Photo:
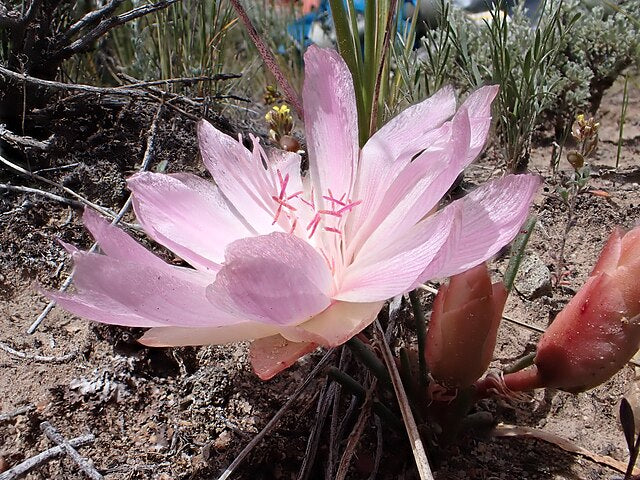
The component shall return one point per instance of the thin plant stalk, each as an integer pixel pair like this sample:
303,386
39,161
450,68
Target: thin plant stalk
269,60
623,117
421,332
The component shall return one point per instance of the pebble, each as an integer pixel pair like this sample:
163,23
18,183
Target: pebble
534,278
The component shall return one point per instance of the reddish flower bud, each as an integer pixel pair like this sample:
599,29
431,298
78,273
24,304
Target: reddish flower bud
598,331
463,327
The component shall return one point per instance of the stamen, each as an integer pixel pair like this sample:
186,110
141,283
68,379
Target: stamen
349,207
333,230
314,224
296,195
293,226
330,212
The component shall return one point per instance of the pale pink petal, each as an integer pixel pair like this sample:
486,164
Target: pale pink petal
406,131
275,279
270,355
392,268
188,215
491,217
335,325
479,106
419,186
124,293
331,123
392,147
185,336
115,242
240,175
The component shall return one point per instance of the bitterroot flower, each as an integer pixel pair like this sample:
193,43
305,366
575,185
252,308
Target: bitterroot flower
293,262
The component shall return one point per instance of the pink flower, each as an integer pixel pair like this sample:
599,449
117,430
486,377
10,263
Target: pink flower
598,331
463,327
293,262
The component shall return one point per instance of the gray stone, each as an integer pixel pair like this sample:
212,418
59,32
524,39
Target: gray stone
534,278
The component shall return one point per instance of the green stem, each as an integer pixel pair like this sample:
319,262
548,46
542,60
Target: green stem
521,363
421,330
517,252
352,386
366,356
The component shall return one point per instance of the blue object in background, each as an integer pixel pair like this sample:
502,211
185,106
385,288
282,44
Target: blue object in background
317,26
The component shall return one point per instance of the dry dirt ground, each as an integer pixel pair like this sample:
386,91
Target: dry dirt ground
186,413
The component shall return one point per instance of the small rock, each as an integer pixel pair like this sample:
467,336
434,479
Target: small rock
534,278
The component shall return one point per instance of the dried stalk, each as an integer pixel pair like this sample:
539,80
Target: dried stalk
50,431
419,453
25,467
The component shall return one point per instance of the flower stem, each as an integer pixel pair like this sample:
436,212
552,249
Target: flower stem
366,356
421,331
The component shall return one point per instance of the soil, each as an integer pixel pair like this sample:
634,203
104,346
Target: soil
186,413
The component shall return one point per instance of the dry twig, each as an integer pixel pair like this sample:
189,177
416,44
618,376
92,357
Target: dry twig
37,358
23,141
84,464
422,463
25,467
17,168
19,411
324,402
356,433
50,196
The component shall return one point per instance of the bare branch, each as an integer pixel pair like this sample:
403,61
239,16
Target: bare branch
22,141
37,358
21,77
25,467
90,18
50,196
19,411
107,24
95,206
84,464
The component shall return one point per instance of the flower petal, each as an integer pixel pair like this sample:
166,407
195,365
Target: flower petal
479,106
185,336
331,123
392,268
240,175
420,186
491,217
116,243
335,325
124,293
270,355
275,279
392,147
188,215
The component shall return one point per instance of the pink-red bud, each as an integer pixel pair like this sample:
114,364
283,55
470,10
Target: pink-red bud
463,327
598,331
